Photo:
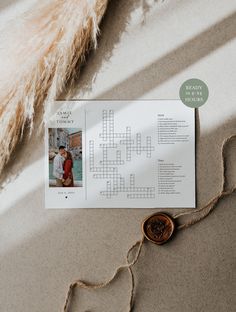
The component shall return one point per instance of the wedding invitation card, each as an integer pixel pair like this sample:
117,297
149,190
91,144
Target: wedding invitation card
120,154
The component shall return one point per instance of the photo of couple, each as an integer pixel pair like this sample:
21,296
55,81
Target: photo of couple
65,157
62,168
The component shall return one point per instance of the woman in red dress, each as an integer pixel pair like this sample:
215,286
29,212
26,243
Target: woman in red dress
67,167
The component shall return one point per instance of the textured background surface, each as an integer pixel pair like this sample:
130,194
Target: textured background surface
147,49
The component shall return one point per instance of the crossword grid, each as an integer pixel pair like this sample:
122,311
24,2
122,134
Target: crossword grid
108,168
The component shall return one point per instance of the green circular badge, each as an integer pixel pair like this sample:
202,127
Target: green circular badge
194,93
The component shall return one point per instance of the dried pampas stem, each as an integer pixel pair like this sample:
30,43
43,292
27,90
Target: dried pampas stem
42,53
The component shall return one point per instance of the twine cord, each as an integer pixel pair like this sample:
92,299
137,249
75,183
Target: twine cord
128,265
205,210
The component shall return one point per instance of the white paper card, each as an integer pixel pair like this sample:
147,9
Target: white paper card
125,154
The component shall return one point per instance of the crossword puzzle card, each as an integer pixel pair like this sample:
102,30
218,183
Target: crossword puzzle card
120,154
